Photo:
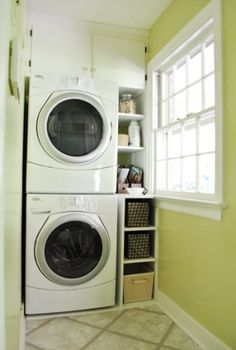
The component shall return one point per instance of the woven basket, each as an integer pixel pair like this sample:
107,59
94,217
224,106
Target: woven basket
137,245
137,214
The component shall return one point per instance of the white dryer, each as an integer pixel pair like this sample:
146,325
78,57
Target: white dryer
71,243
72,135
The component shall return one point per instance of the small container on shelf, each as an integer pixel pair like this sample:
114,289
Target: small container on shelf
138,283
134,134
123,140
137,214
137,245
127,104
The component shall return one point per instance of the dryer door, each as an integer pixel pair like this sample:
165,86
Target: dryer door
74,127
72,248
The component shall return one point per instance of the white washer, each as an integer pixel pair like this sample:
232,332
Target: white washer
72,135
71,243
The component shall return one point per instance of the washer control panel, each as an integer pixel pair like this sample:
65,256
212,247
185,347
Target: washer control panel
39,204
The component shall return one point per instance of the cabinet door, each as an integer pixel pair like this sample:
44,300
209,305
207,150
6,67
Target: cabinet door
60,50
119,59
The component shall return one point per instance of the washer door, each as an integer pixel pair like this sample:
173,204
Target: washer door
72,249
73,127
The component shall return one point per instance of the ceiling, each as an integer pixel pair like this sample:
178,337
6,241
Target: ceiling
129,13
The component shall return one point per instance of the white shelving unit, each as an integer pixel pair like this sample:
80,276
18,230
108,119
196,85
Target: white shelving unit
137,156
123,230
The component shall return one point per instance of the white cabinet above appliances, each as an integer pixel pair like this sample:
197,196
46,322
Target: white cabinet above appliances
119,59
93,51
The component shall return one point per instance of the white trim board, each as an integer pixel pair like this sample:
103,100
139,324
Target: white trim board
194,329
182,36
192,207
22,329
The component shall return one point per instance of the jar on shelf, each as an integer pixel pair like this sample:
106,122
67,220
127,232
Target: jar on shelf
127,104
134,134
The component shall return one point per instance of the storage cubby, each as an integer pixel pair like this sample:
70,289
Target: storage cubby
139,212
138,283
138,96
137,248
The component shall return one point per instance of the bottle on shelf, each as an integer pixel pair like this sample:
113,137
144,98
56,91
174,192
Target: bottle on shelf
134,134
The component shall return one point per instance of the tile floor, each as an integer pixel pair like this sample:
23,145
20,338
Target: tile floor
146,328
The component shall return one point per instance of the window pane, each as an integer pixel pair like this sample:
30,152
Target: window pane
209,60
189,174
180,105
164,113
207,173
174,175
170,111
161,145
195,67
207,135
174,143
195,98
180,77
170,83
161,175
189,138
164,85
209,91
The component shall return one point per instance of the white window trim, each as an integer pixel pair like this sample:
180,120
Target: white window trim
208,209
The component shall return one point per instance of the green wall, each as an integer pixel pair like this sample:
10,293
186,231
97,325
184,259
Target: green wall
13,23
197,257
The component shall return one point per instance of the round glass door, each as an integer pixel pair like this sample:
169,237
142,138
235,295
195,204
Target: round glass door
74,128
72,251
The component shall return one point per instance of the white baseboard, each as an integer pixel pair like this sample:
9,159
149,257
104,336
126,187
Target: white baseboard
22,329
194,329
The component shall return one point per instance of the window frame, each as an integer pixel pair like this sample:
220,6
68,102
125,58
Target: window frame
206,206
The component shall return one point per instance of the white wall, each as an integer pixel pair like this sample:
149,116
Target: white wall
12,22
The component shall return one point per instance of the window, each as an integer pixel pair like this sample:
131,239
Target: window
187,126
185,147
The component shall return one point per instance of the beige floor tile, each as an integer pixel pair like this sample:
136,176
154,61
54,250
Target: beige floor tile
62,334
153,308
32,324
108,341
179,339
100,320
29,347
142,324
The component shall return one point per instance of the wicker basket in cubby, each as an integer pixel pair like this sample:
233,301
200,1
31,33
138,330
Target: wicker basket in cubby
137,245
137,214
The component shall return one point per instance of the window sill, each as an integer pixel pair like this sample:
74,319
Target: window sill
206,209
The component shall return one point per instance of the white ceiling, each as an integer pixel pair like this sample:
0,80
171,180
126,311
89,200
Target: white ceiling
128,13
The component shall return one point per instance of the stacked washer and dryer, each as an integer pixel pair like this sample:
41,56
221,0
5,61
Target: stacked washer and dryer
71,206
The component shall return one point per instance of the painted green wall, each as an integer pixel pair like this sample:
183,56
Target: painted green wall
197,257
13,23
